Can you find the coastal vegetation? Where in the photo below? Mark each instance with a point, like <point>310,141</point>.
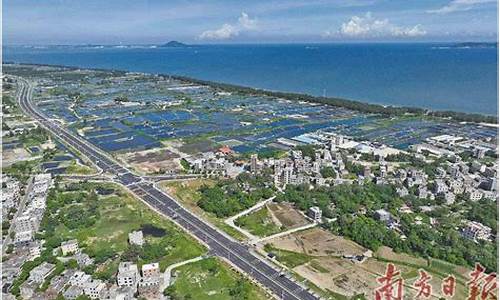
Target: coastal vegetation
<point>346,103</point>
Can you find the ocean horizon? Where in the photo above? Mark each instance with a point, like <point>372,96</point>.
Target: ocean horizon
<point>437,76</point>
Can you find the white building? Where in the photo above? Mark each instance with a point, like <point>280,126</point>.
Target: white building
<point>128,274</point>
<point>315,213</point>
<point>69,247</point>
<point>149,270</point>
<point>475,195</point>
<point>79,279</point>
<point>95,289</point>
<point>39,273</point>
<point>383,215</point>
<point>476,231</point>
<point>136,238</point>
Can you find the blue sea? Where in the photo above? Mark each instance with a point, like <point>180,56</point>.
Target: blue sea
<point>435,76</point>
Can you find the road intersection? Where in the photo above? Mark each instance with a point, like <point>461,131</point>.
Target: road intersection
<point>220,244</point>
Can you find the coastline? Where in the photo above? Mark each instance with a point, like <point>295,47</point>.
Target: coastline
<point>355,105</point>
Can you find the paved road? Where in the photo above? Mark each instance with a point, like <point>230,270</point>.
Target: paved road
<point>220,244</point>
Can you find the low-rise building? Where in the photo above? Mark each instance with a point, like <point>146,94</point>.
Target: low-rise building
<point>120,293</point>
<point>315,213</point>
<point>69,247</point>
<point>95,289</point>
<point>39,273</point>
<point>79,279</point>
<point>475,195</point>
<point>383,215</point>
<point>149,270</point>
<point>83,259</point>
<point>128,274</point>
<point>476,231</point>
<point>136,238</point>
<point>402,191</point>
<point>72,292</point>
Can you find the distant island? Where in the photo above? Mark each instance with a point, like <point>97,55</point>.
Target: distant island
<point>174,44</point>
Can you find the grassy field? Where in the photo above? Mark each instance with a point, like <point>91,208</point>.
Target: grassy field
<point>258,223</point>
<point>187,193</point>
<point>212,279</point>
<point>119,214</point>
<point>75,168</point>
<point>288,258</point>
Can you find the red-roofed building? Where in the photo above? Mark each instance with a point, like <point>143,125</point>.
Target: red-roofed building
<point>225,150</point>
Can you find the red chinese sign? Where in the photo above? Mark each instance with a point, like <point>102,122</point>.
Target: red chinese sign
<point>481,286</point>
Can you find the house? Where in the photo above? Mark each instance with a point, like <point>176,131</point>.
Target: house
<point>79,279</point>
<point>120,293</point>
<point>128,274</point>
<point>28,289</point>
<point>136,238</point>
<point>402,191</point>
<point>83,259</point>
<point>315,213</point>
<point>225,150</point>
<point>94,289</point>
<point>449,198</point>
<point>383,215</point>
<point>39,273</point>
<point>476,231</point>
<point>475,195</point>
<point>58,283</point>
<point>69,247</point>
<point>149,270</point>
<point>422,192</point>
<point>440,187</point>
<point>72,292</point>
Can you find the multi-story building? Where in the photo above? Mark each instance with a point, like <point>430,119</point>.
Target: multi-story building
<point>315,213</point>
<point>69,247</point>
<point>39,273</point>
<point>95,289</point>
<point>476,231</point>
<point>128,274</point>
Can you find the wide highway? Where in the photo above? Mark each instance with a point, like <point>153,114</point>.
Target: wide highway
<point>219,244</point>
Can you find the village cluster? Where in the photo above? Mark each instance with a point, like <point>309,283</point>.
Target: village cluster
<point>471,179</point>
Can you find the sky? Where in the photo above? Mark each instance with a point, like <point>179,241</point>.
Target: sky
<point>259,21</point>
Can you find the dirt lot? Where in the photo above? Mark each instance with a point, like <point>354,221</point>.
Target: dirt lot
<point>338,275</point>
<point>287,215</point>
<point>318,242</point>
<point>11,156</point>
<point>344,277</point>
<point>153,161</point>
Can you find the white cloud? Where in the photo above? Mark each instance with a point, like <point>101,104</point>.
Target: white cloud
<point>247,23</point>
<point>227,31</point>
<point>459,5</point>
<point>368,27</point>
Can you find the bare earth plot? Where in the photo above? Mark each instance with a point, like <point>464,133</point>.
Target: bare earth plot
<point>153,161</point>
<point>318,242</point>
<point>287,215</point>
<point>327,269</point>
<point>10,156</point>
